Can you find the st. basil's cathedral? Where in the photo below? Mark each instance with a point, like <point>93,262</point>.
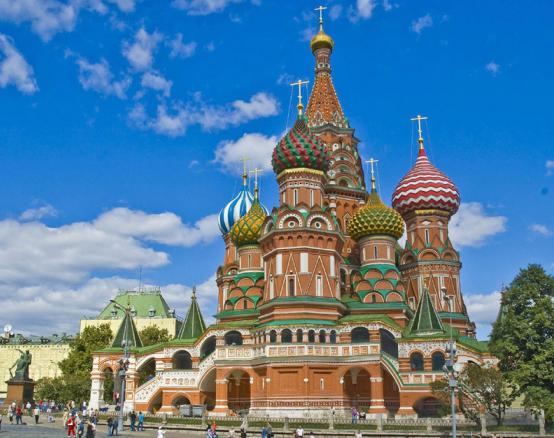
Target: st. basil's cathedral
<point>319,306</point>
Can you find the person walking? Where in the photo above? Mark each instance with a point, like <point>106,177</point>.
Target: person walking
<point>81,429</point>
<point>269,431</point>
<point>36,413</point>
<point>358,434</point>
<point>115,426</point>
<point>133,419</point>
<point>161,432</point>
<point>10,414</point>
<point>71,425</point>
<point>141,421</point>
<point>109,427</point>
<point>354,415</point>
<point>91,430</point>
<point>18,414</point>
<point>299,433</point>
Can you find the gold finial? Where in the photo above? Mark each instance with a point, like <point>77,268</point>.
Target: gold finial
<point>320,9</point>
<point>244,171</point>
<point>371,162</point>
<point>300,82</point>
<point>193,292</point>
<point>419,118</point>
<point>256,171</point>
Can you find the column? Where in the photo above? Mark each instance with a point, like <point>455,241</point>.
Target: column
<point>96,390</point>
<point>377,391</point>
<point>221,395</point>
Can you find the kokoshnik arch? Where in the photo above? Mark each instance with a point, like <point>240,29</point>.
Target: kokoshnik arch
<point>319,306</point>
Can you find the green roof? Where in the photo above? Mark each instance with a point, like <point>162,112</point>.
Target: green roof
<point>297,322</point>
<point>193,326</point>
<point>127,331</point>
<point>141,302</point>
<point>426,320</point>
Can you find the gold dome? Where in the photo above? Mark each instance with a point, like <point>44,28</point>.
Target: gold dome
<point>376,218</point>
<point>248,229</point>
<point>321,40</point>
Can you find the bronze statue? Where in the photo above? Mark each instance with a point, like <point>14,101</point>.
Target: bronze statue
<point>21,366</point>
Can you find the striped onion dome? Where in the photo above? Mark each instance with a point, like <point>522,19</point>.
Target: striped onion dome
<point>235,209</point>
<point>425,187</point>
<point>299,148</point>
<point>248,229</point>
<point>375,218</point>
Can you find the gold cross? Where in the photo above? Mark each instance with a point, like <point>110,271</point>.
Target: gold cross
<point>256,171</point>
<point>371,162</point>
<point>320,9</point>
<point>300,82</point>
<point>244,160</point>
<point>419,118</point>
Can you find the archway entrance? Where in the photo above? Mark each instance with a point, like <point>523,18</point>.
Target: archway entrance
<point>155,403</point>
<point>357,388</point>
<point>238,391</point>
<point>109,384</point>
<point>427,407</point>
<point>207,390</point>
<point>391,393</point>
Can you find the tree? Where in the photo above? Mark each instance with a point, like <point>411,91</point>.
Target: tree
<point>153,335</point>
<point>522,337</point>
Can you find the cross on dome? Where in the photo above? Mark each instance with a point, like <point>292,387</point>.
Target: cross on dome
<point>371,162</point>
<point>320,9</point>
<point>299,83</point>
<point>419,118</point>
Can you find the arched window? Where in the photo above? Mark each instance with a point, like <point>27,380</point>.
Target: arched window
<point>299,336</point>
<point>311,336</point>
<point>333,337</point>
<point>360,334</point>
<point>416,362</point>
<point>291,285</point>
<point>388,343</point>
<point>286,336</point>
<point>233,338</point>
<point>182,360</point>
<point>437,361</point>
<point>208,347</point>
<point>322,337</point>
<point>273,336</point>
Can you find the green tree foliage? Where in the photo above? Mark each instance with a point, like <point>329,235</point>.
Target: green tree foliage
<point>153,335</point>
<point>523,337</point>
<point>74,383</point>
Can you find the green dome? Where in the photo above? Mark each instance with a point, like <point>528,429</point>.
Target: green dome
<point>376,218</point>
<point>248,229</point>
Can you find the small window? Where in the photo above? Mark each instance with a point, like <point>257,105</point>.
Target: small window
<point>249,261</point>
<point>416,362</point>
<point>295,196</point>
<point>359,334</point>
<point>427,239</point>
<point>322,337</point>
<point>333,337</point>
<point>286,336</point>
<point>321,384</point>
<point>319,285</point>
<point>375,252</point>
<point>311,198</point>
<point>299,335</point>
<point>271,287</point>
<point>273,336</point>
<point>437,359</point>
<point>291,284</point>
<point>311,336</point>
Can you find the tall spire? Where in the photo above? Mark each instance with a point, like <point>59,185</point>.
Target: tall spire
<point>127,331</point>
<point>426,320</point>
<point>193,326</point>
<point>300,105</point>
<point>256,171</point>
<point>419,118</point>
<point>371,162</point>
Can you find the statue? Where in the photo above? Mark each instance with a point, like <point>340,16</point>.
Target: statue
<point>21,366</point>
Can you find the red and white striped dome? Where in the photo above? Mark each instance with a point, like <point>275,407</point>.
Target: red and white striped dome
<point>425,187</point>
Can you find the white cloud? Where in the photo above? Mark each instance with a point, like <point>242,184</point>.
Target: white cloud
<point>32,214</point>
<point>388,5</point>
<point>483,310</point>
<point>471,226</point>
<point>156,82</point>
<point>124,5</point>
<point>549,167</point>
<point>33,253</point>
<point>175,121</point>
<point>98,77</point>
<point>285,79</point>
<point>335,12</point>
<point>14,70</point>
<point>493,68</point>
<point>202,7</point>
<point>422,23</point>
<point>543,230</point>
<point>179,49</point>
<point>257,147</point>
<point>140,53</point>
<point>362,11</point>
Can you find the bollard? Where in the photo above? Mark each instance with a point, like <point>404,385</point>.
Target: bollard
<point>429,425</point>
<point>542,430</point>
<point>286,424</point>
<point>379,423</point>
<point>483,421</point>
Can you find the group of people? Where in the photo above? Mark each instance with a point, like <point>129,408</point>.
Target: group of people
<point>357,415</point>
<point>34,410</point>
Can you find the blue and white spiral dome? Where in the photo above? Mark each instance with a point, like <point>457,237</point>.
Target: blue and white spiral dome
<point>235,209</point>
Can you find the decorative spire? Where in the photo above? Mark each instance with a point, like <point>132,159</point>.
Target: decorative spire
<point>256,171</point>
<point>371,162</point>
<point>320,9</point>
<point>426,320</point>
<point>127,331</point>
<point>193,326</point>
<point>300,106</point>
<point>321,40</point>
<point>419,118</point>
<point>244,171</point>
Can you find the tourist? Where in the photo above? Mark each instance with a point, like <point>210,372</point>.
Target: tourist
<point>264,432</point>
<point>36,413</point>
<point>358,434</point>
<point>161,432</point>
<point>115,426</point>
<point>81,429</point>
<point>141,421</point>
<point>269,431</point>
<point>299,433</point>
<point>109,426</point>
<point>28,407</point>
<point>242,432</point>
<point>231,433</point>
<point>10,414</point>
<point>18,414</point>
<point>91,430</point>
<point>49,414</point>
<point>71,426</point>
<point>133,420</point>
<point>354,415</point>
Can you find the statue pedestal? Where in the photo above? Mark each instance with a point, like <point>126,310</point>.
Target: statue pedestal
<point>19,391</point>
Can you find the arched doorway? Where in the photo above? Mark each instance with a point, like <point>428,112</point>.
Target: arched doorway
<point>233,338</point>
<point>356,386</point>
<point>391,393</point>
<point>147,371</point>
<point>388,343</point>
<point>427,407</point>
<point>207,390</point>
<point>155,403</point>
<point>238,391</point>
<point>109,384</point>
<point>208,347</point>
<point>182,360</point>
<point>181,400</point>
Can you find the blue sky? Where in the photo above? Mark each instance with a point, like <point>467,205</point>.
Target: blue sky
<point>123,121</point>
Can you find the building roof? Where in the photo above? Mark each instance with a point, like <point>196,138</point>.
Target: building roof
<point>127,331</point>
<point>193,326</point>
<point>141,302</point>
<point>426,321</point>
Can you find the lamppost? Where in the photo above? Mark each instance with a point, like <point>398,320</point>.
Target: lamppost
<point>123,364</point>
<point>450,371</point>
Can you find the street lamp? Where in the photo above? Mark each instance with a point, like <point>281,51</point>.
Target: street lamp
<point>449,368</point>
<point>123,365</point>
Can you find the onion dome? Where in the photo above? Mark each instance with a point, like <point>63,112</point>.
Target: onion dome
<point>235,209</point>
<point>248,229</point>
<point>425,187</point>
<point>321,40</point>
<point>375,218</point>
<point>300,148</point>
